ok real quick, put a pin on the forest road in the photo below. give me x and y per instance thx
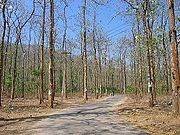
(96, 118)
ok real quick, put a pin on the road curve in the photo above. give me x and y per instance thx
(97, 118)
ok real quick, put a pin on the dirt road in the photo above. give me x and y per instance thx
(97, 118)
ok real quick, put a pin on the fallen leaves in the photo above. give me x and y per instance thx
(157, 120)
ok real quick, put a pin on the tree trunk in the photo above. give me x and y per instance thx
(5, 57)
(41, 96)
(2, 47)
(163, 23)
(106, 77)
(51, 57)
(72, 76)
(84, 50)
(175, 75)
(23, 76)
(149, 50)
(15, 66)
(64, 84)
(124, 72)
(100, 69)
(95, 56)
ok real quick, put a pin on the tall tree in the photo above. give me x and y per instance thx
(2, 45)
(95, 55)
(175, 74)
(100, 64)
(51, 56)
(149, 50)
(18, 27)
(64, 83)
(42, 53)
(84, 49)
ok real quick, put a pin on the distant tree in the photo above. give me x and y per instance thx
(18, 28)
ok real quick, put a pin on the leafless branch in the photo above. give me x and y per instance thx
(98, 3)
(130, 4)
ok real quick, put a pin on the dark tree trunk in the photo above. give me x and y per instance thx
(2, 47)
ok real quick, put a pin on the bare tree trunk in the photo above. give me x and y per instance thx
(163, 23)
(82, 57)
(95, 56)
(119, 75)
(134, 57)
(124, 72)
(33, 69)
(175, 75)
(64, 84)
(100, 69)
(51, 57)
(15, 66)
(41, 96)
(151, 77)
(23, 72)
(54, 75)
(72, 76)
(84, 50)
(6, 52)
(141, 84)
(2, 47)
(10, 66)
(105, 64)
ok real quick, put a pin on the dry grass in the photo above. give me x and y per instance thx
(18, 114)
(158, 120)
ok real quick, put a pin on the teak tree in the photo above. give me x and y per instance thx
(51, 55)
(42, 53)
(149, 50)
(84, 51)
(95, 55)
(175, 74)
(64, 46)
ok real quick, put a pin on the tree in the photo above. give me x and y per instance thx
(18, 28)
(2, 45)
(95, 55)
(175, 75)
(149, 50)
(146, 15)
(84, 49)
(42, 53)
(99, 43)
(51, 56)
(64, 84)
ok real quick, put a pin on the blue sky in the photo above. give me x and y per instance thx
(112, 25)
(105, 16)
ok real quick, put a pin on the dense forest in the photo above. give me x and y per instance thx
(40, 56)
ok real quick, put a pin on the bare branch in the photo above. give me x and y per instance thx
(98, 3)
(130, 4)
(33, 10)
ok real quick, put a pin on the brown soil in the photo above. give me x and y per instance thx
(17, 115)
(158, 120)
